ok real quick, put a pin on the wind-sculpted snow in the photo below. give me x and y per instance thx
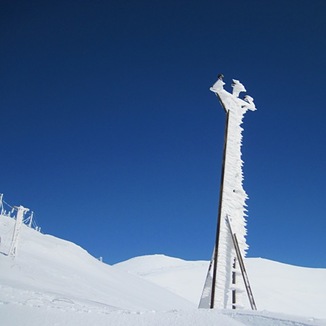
(55, 282)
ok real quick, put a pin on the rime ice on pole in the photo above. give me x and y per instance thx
(228, 282)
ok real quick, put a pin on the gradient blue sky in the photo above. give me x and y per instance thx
(109, 132)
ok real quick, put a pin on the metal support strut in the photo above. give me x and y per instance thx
(242, 266)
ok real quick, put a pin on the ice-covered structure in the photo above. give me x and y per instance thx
(226, 285)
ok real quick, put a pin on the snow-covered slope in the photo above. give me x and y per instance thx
(288, 289)
(277, 287)
(185, 278)
(55, 282)
(52, 270)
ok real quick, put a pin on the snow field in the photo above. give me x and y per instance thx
(55, 282)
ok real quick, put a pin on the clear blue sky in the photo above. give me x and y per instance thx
(109, 132)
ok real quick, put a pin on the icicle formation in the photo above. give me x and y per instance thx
(233, 198)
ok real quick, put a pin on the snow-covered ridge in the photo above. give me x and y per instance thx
(277, 287)
(185, 278)
(53, 281)
(62, 269)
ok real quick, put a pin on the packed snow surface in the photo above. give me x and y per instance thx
(55, 282)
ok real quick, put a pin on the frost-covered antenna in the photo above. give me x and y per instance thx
(1, 204)
(30, 219)
(19, 221)
(223, 288)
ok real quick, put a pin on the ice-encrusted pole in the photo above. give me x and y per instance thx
(1, 204)
(223, 288)
(19, 221)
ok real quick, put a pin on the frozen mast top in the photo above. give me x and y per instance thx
(247, 102)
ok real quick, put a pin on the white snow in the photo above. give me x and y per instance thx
(277, 287)
(173, 274)
(55, 282)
